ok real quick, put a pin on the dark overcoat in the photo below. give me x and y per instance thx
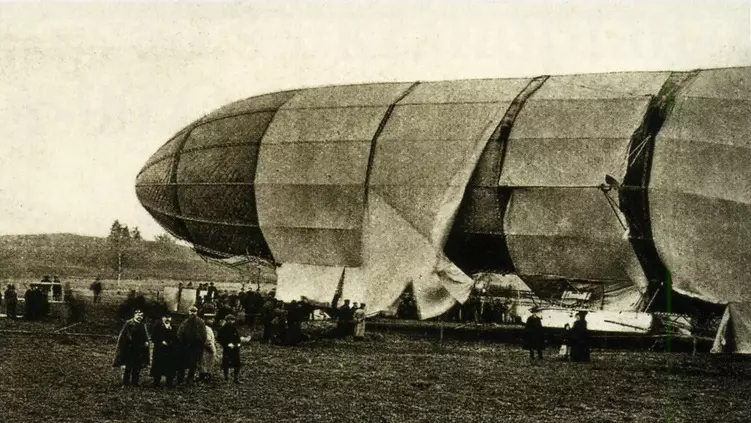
(534, 337)
(132, 345)
(164, 358)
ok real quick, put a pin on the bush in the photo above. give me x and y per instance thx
(76, 309)
(151, 309)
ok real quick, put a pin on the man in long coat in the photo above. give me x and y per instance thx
(132, 348)
(534, 337)
(164, 356)
(192, 337)
(580, 338)
(229, 338)
(11, 301)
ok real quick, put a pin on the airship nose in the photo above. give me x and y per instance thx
(199, 185)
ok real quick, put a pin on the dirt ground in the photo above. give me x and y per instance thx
(387, 378)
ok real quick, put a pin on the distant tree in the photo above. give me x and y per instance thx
(135, 234)
(119, 240)
(116, 231)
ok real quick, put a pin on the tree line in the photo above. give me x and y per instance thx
(124, 245)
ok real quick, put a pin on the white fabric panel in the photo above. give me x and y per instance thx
(317, 283)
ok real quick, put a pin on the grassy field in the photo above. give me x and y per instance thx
(387, 378)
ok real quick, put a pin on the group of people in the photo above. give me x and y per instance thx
(574, 340)
(36, 302)
(10, 298)
(181, 355)
(351, 320)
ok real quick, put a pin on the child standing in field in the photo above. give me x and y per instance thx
(565, 350)
(229, 339)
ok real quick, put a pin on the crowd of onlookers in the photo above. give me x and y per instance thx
(477, 309)
(36, 302)
(184, 355)
(178, 355)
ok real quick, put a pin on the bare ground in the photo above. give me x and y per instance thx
(388, 378)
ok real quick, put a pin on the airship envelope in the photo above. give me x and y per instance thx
(634, 182)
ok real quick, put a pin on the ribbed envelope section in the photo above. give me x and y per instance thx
(700, 194)
(570, 134)
(200, 185)
(422, 163)
(310, 183)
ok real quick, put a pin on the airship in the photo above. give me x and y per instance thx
(638, 183)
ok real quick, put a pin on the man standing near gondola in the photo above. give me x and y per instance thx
(192, 337)
(580, 338)
(534, 338)
(133, 348)
(164, 357)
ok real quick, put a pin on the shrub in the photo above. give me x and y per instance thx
(76, 309)
(151, 309)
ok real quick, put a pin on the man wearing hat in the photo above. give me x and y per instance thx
(132, 348)
(580, 338)
(192, 338)
(164, 356)
(534, 338)
(229, 339)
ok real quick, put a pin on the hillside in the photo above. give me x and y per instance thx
(69, 255)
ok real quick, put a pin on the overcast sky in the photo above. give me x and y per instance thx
(89, 91)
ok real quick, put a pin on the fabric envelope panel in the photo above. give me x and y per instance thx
(324, 125)
(437, 122)
(310, 183)
(314, 163)
(248, 128)
(156, 197)
(583, 212)
(726, 84)
(466, 91)
(576, 257)
(598, 119)
(420, 150)
(310, 206)
(316, 283)
(706, 169)
(158, 173)
(168, 149)
(346, 96)
(236, 240)
(223, 204)
(417, 204)
(567, 232)
(418, 162)
(323, 247)
(229, 164)
(173, 225)
(602, 86)
(263, 102)
(563, 162)
(703, 242)
(700, 199)
(710, 120)
(153, 189)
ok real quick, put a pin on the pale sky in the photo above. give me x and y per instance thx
(89, 91)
